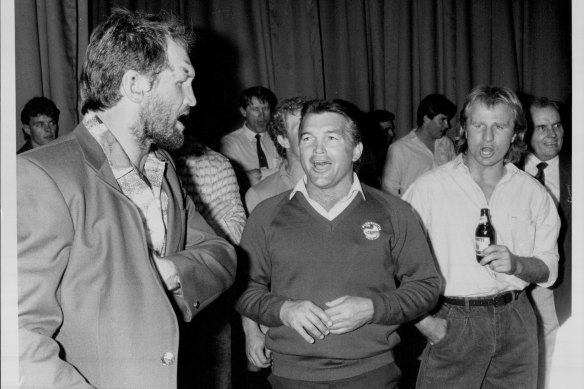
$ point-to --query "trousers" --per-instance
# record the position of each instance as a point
(484, 347)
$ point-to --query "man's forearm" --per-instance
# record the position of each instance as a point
(531, 269)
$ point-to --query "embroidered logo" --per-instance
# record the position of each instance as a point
(371, 230)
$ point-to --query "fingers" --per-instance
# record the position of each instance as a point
(335, 302)
(305, 318)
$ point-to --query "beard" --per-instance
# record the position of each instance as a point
(159, 125)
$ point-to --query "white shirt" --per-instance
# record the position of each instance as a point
(336, 209)
(240, 146)
(551, 172)
(525, 218)
(409, 158)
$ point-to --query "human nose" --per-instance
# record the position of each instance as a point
(488, 134)
(551, 132)
(190, 98)
(319, 147)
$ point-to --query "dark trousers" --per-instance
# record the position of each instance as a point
(484, 347)
(386, 377)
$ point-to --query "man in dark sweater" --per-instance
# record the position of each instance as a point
(335, 266)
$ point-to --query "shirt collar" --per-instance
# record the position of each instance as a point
(510, 168)
(250, 135)
(301, 187)
(532, 161)
(115, 154)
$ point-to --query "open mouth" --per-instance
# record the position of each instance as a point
(487, 151)
(181, 121)
(320, 166)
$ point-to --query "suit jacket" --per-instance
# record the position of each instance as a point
(93, 310)
(25, 147)
(563, 286)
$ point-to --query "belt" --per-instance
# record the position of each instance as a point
(495, 300)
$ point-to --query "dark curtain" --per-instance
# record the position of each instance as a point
(379, 54)
(51, 37)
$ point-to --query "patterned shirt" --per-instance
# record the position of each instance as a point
(143, 188)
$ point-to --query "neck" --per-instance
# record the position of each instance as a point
(425, 137)
(328, 197)
(294, 169)
(123, 126)
(486, 177)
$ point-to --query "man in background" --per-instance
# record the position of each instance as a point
(283, 129)
(40, 123)
(250, 148)
(112, 255)
(424, 148)
(549, 161)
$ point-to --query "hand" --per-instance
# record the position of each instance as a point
(254, 175)
(349, 313)
(255, 347)
(306, 318)
(433, 328)
(499, 259)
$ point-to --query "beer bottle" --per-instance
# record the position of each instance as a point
(484, 234)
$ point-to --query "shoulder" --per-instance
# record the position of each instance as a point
(268, 208)
(234, 136)
(62, 156)
(388, 202)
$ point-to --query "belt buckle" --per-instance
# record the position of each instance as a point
(500, 300)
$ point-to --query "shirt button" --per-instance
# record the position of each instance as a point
(167, 359)
(197, 305)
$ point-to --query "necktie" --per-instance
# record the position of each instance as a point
(540, 176)
(261, 156)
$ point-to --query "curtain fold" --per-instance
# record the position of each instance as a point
(379, 54)
(48, 56)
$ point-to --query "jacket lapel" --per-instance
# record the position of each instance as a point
(95, 157)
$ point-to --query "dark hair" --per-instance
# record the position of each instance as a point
(264, 95)
(277, 124)
(435, 104)
(380, 116)
(348, 110)
(491, 96)
(39, 106)
(539, 102)
(126, 41)
(342, 107)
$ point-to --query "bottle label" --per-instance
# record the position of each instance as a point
(483, 219)
(481, 243)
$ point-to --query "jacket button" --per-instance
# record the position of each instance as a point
(167, 359)
(197, 304)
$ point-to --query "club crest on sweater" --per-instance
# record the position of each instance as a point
(371, 230)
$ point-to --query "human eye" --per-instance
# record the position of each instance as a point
(558, 126)
(305, 138)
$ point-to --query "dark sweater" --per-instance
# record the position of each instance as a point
(373, 246)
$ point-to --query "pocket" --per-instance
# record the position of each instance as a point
(521, 229)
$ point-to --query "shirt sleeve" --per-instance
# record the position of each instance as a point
(256, 301)
(547, 229)
(392, 171)
(415, 269)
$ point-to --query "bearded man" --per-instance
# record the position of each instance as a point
(110, 250)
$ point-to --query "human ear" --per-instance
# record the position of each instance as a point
(26, 129)
(243, 112)
(134, 86)
(283, 141)
(357, 151)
